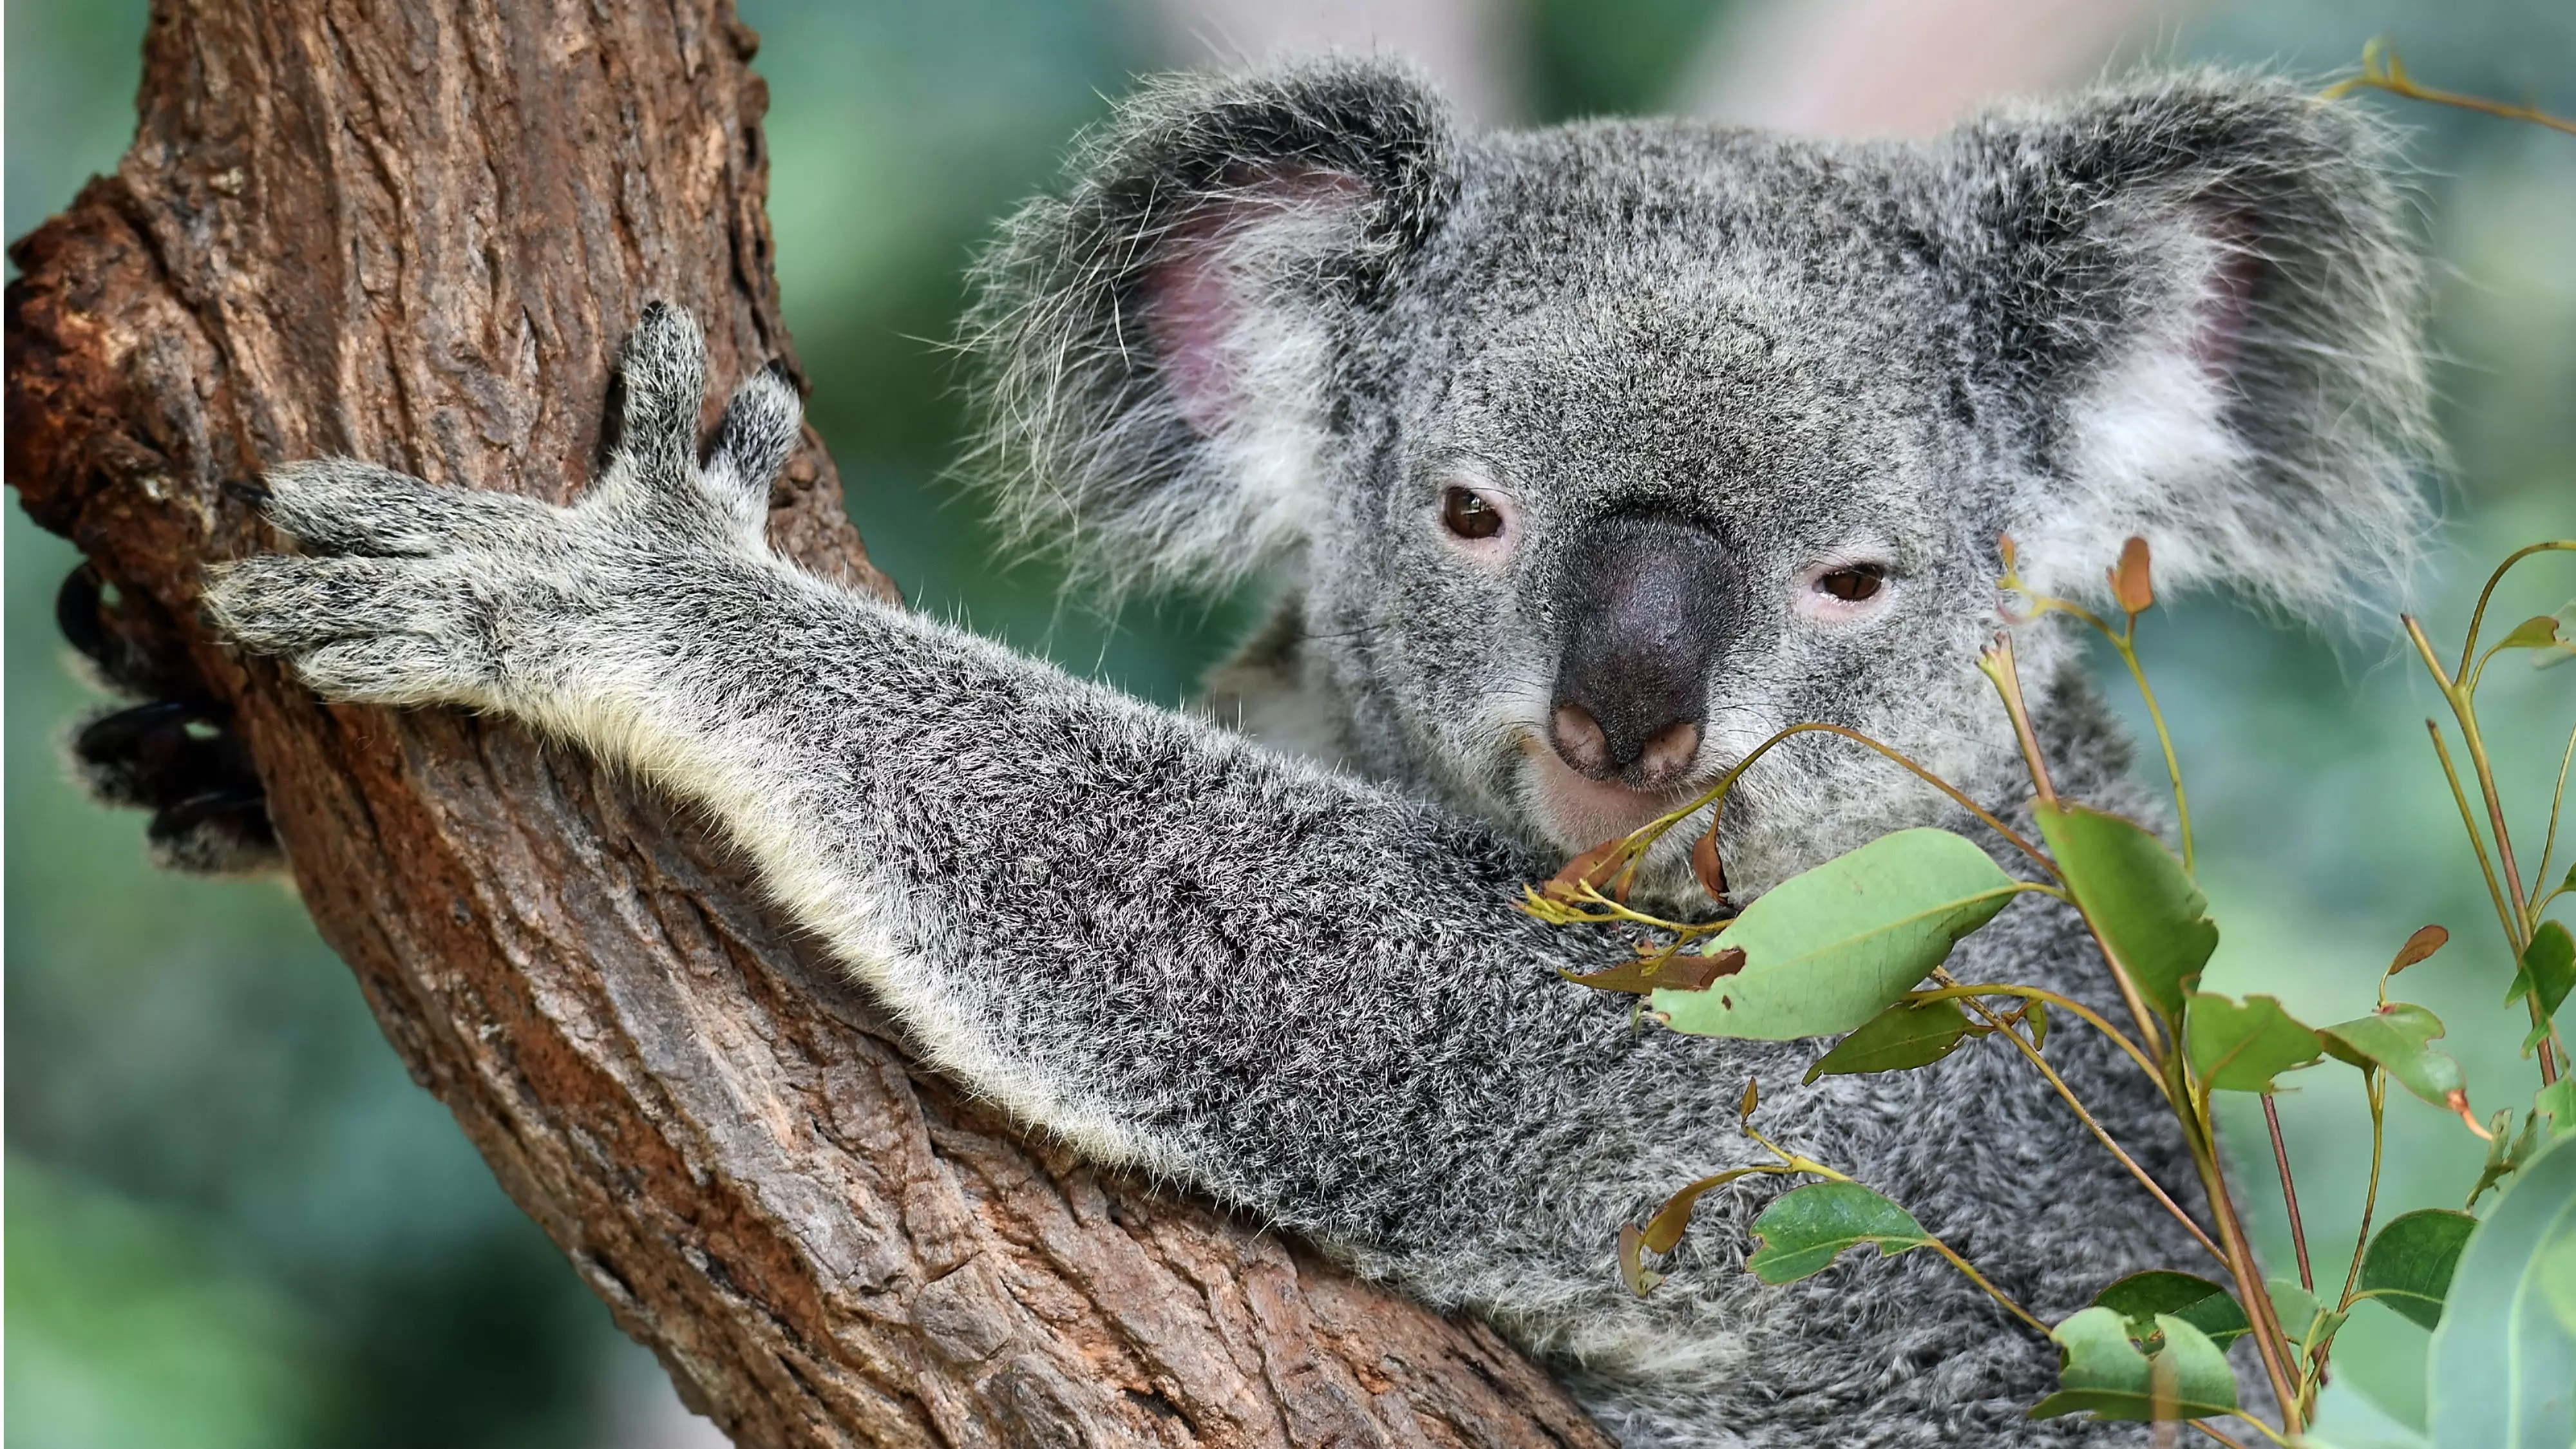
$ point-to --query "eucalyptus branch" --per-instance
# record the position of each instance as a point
(2270, 1342)
(2477, 842)
(1993, 1292)
(2068, 1004)
(2100, 1133)
(2549, 842)
(2289, 1192)
(1716, 794)
(2382, 71)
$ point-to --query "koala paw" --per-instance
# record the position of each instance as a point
(411, 593)
(174, 755)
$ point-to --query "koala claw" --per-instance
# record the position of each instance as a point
(176, 755)
(414, 593)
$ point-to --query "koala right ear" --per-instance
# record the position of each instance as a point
(1160, 348)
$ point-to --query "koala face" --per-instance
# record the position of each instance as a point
(1601, 453)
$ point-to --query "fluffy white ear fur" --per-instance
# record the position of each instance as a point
(2225, 301)
(2147, 447)
(1240, 318)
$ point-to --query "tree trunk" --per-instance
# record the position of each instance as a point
(414, 233)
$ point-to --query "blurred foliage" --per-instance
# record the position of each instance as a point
(233, 1219)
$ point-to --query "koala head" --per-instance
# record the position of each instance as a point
(1594, 455)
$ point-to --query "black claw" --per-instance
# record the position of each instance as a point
(154, 755)
(215, 833)
(76, 610)
(113, 634)
(196, 810)
(125, 731)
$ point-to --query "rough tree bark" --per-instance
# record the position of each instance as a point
(414, 233)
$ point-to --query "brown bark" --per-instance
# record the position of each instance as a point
(414, 233)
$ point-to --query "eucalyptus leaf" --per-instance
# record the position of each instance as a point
(1807, 1229)
(2504, 1359)
(1897, 1039)
(2240, 1048)
(2537, 632)
(2195, 1300)
(2557, 1102)
(2294, 1307)
(2547, 971)
(2506, 1152)
(2393, 1038)
(2188, 1377)
(2409, 1265)
(1828, 949)
(2138, 895)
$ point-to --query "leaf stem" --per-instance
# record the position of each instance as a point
(2477, 617)
(2376, 1090)
(2164, 738)
(2100, 1133)
(2549, 842)
(2203, 1426)
(2269, 1340)
(2068, 1004)
(1993, 1292)
(2289, 1191)
(2469, 822)
(2387, 75)
(1716, 793)
(1997, 665)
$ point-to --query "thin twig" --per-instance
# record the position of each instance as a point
(2549, 842)
(2069, 1004)
(2100, 1133)
(2289, 1191)
(2269, 1339)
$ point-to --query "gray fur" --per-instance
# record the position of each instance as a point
(1302, 988)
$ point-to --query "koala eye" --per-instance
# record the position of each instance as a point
(1468, 514)
(1851, 585)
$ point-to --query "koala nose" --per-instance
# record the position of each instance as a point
(1644, 603)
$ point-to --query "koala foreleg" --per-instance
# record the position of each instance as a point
(1302, 992)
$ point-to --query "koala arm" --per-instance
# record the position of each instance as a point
(1303, 993)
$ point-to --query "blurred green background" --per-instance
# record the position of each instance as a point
(231, 1218)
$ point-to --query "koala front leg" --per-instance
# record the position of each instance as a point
(1305, 994)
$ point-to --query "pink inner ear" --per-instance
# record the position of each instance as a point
(1192, 311)
(2226, 301)
(1189, 316)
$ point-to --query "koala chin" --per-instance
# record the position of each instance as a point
(1585, 458)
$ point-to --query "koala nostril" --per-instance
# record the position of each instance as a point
(1668, 755)
(1579, 741)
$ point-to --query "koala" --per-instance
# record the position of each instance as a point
(1583, 458)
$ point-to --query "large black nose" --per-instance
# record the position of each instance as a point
(1644, 605)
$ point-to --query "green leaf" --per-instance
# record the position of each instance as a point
(2104, 1372)
(2506, 1152)
(1897, 1039)
(2537, 632)
(2237, 1048)
(2394, 1038)
(2504, 1359)
(2410, 1263)
(2547, 971)
(2557, 1103)
(2195, 1300)
(1807, 1229)
(1828, 949)
(2295, 1307)
(2137, 894)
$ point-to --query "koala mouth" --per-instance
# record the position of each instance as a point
(1578, 812)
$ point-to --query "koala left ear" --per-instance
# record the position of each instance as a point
(1164, 348)
(2198, 300)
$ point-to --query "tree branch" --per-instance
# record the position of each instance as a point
(413, 234)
